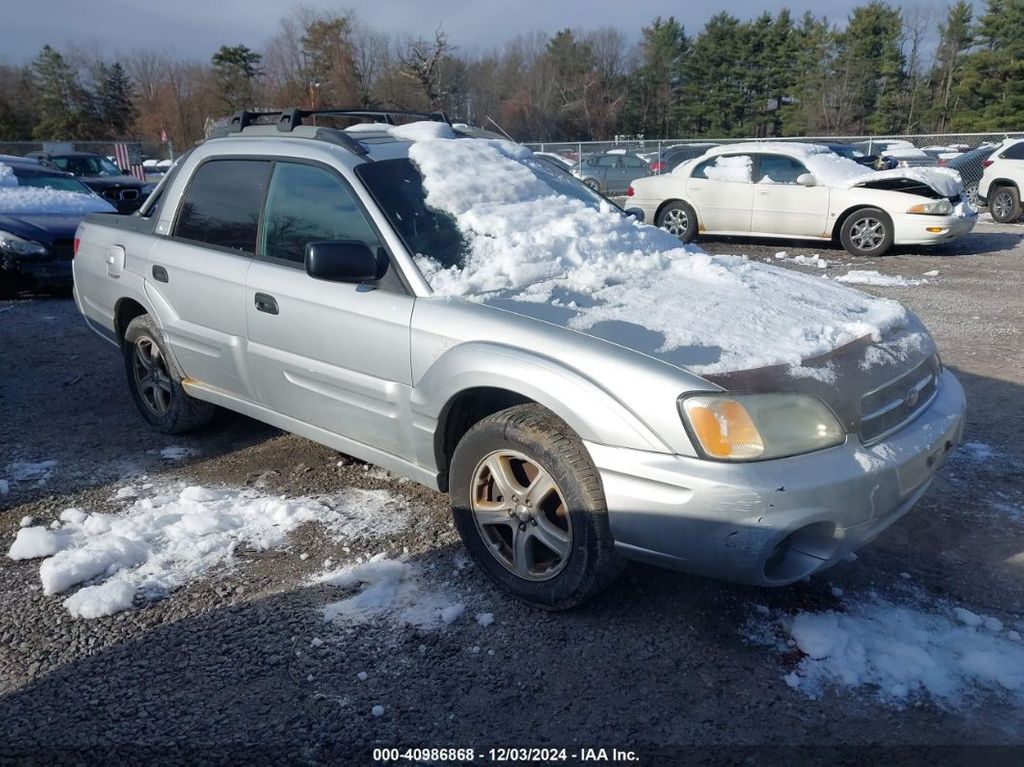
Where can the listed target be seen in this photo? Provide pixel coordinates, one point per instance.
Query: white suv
(1002, 181)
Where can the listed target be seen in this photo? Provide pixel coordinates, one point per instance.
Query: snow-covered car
(1002, 181)
(805, 191)
(40, 209)
(900, 151)
(586, 388)
(557, 160)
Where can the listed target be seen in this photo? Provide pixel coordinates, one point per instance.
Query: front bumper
(27, 274)
(916, 229)
(774, 522)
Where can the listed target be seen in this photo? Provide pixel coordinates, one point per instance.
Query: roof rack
(289, 119)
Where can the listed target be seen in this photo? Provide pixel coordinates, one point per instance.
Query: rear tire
(155, 381)
(529, 505)
(867, 232)
(679, 218)
(593, 183)
(1004, 204)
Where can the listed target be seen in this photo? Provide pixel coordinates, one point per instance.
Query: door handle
(160, 274)
(265, 303)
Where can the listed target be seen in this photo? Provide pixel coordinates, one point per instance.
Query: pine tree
(65, 108)
(990, 95)
(113, 99)
(955, 38)
(657, 79)
(237, 69)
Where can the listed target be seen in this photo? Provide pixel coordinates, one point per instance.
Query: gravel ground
(239, 665)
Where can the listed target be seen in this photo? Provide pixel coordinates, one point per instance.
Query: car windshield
(40, 178)
(86, 165)
(397, 187)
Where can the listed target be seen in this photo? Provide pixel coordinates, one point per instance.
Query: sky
(197, 28)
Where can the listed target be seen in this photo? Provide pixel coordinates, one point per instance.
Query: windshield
(86, 165)
(42, 179)
(397, 187)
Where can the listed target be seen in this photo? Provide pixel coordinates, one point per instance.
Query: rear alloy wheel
(529, 505)
(680, 219)
(971, 193)
(867, 232)
(155, 381)
(1004, 204)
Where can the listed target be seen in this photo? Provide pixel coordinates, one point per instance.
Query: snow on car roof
(30, 199)
(529, 243)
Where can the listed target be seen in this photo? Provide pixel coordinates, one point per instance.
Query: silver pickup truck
(310, 277)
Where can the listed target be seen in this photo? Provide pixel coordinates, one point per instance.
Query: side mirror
(806, 179)
(342, 261)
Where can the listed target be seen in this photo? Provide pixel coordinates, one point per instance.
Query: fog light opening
(801, 552)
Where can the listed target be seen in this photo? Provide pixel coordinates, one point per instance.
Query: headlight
(756, 427)
(937, 208)
(12, 243)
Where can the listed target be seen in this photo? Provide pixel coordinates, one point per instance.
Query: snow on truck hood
(556, 258)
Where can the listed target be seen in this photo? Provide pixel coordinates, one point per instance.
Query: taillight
(74, 251)
(629, 192)
(942, 161)
(986, 163)
(655, 167)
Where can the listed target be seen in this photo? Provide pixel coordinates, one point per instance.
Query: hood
(41, 227)
(945, 182)
(108, 182)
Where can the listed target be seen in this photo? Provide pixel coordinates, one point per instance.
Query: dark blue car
(40, 209)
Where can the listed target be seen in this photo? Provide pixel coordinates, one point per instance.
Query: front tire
(679, 218)
(867, 232)
(529, 505)
(1004, 204)
(155, 381)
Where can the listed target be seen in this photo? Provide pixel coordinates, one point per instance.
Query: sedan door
(331, 354)
(784, 207)
(195, 278)
(722, 193)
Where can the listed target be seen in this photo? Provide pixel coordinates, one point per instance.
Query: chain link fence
(963, 152)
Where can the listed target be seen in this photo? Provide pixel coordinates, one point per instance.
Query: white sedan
(807, 192)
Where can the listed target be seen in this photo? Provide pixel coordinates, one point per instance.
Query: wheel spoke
(491, 516)
(522, 553)
(551, 535)
(505, 483)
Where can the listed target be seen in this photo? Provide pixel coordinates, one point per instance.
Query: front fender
(589, 409)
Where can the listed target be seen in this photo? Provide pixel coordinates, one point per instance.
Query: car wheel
(529, 505)
(680, 219)
(593, 184)
(971, 193)
(867, 232)
(1004, 204)
(155, 381)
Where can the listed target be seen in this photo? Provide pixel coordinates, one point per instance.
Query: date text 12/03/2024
(500, 755)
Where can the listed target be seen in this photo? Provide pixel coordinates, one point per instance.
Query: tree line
(880, 71)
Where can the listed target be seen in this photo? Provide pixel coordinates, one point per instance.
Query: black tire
(532, 431)
(593, 183)
(679, 218)
(867, 225)
(182, 413)
(1004, 204)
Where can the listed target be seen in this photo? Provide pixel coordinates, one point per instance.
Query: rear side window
(778, 169)
(309, 204)
(1014, 152)
(222, 204)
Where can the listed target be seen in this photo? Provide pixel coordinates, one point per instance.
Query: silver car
(278, 271)
(611, 173)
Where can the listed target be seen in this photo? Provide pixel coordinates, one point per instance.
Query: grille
(129, 194)
(892, 405)
(120, 194)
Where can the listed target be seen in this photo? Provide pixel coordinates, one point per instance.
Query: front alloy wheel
(521, 515)
(151, 376)
(867, 232)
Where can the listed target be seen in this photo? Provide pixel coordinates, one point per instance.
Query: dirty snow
(392, 589)
(874, 277)
(899, 652)
(176, 452)
(801, 260)
(39, 472)
(167, 536)
(531, 244)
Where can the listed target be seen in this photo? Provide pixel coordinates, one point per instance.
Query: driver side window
(310, 204)
(778, 169)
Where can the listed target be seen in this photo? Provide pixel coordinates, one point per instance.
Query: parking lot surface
(237, 655)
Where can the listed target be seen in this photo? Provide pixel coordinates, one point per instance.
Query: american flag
(129, 159)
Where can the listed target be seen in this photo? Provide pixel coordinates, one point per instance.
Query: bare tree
(421, 62)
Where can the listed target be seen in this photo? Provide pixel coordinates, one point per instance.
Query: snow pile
(874, 277)
(391, 588)
(175, 534)
(801, 260)
(899, 651)
(7, 177)
(422, 130)
(730, 169)
(38, 472)
(529, 243)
